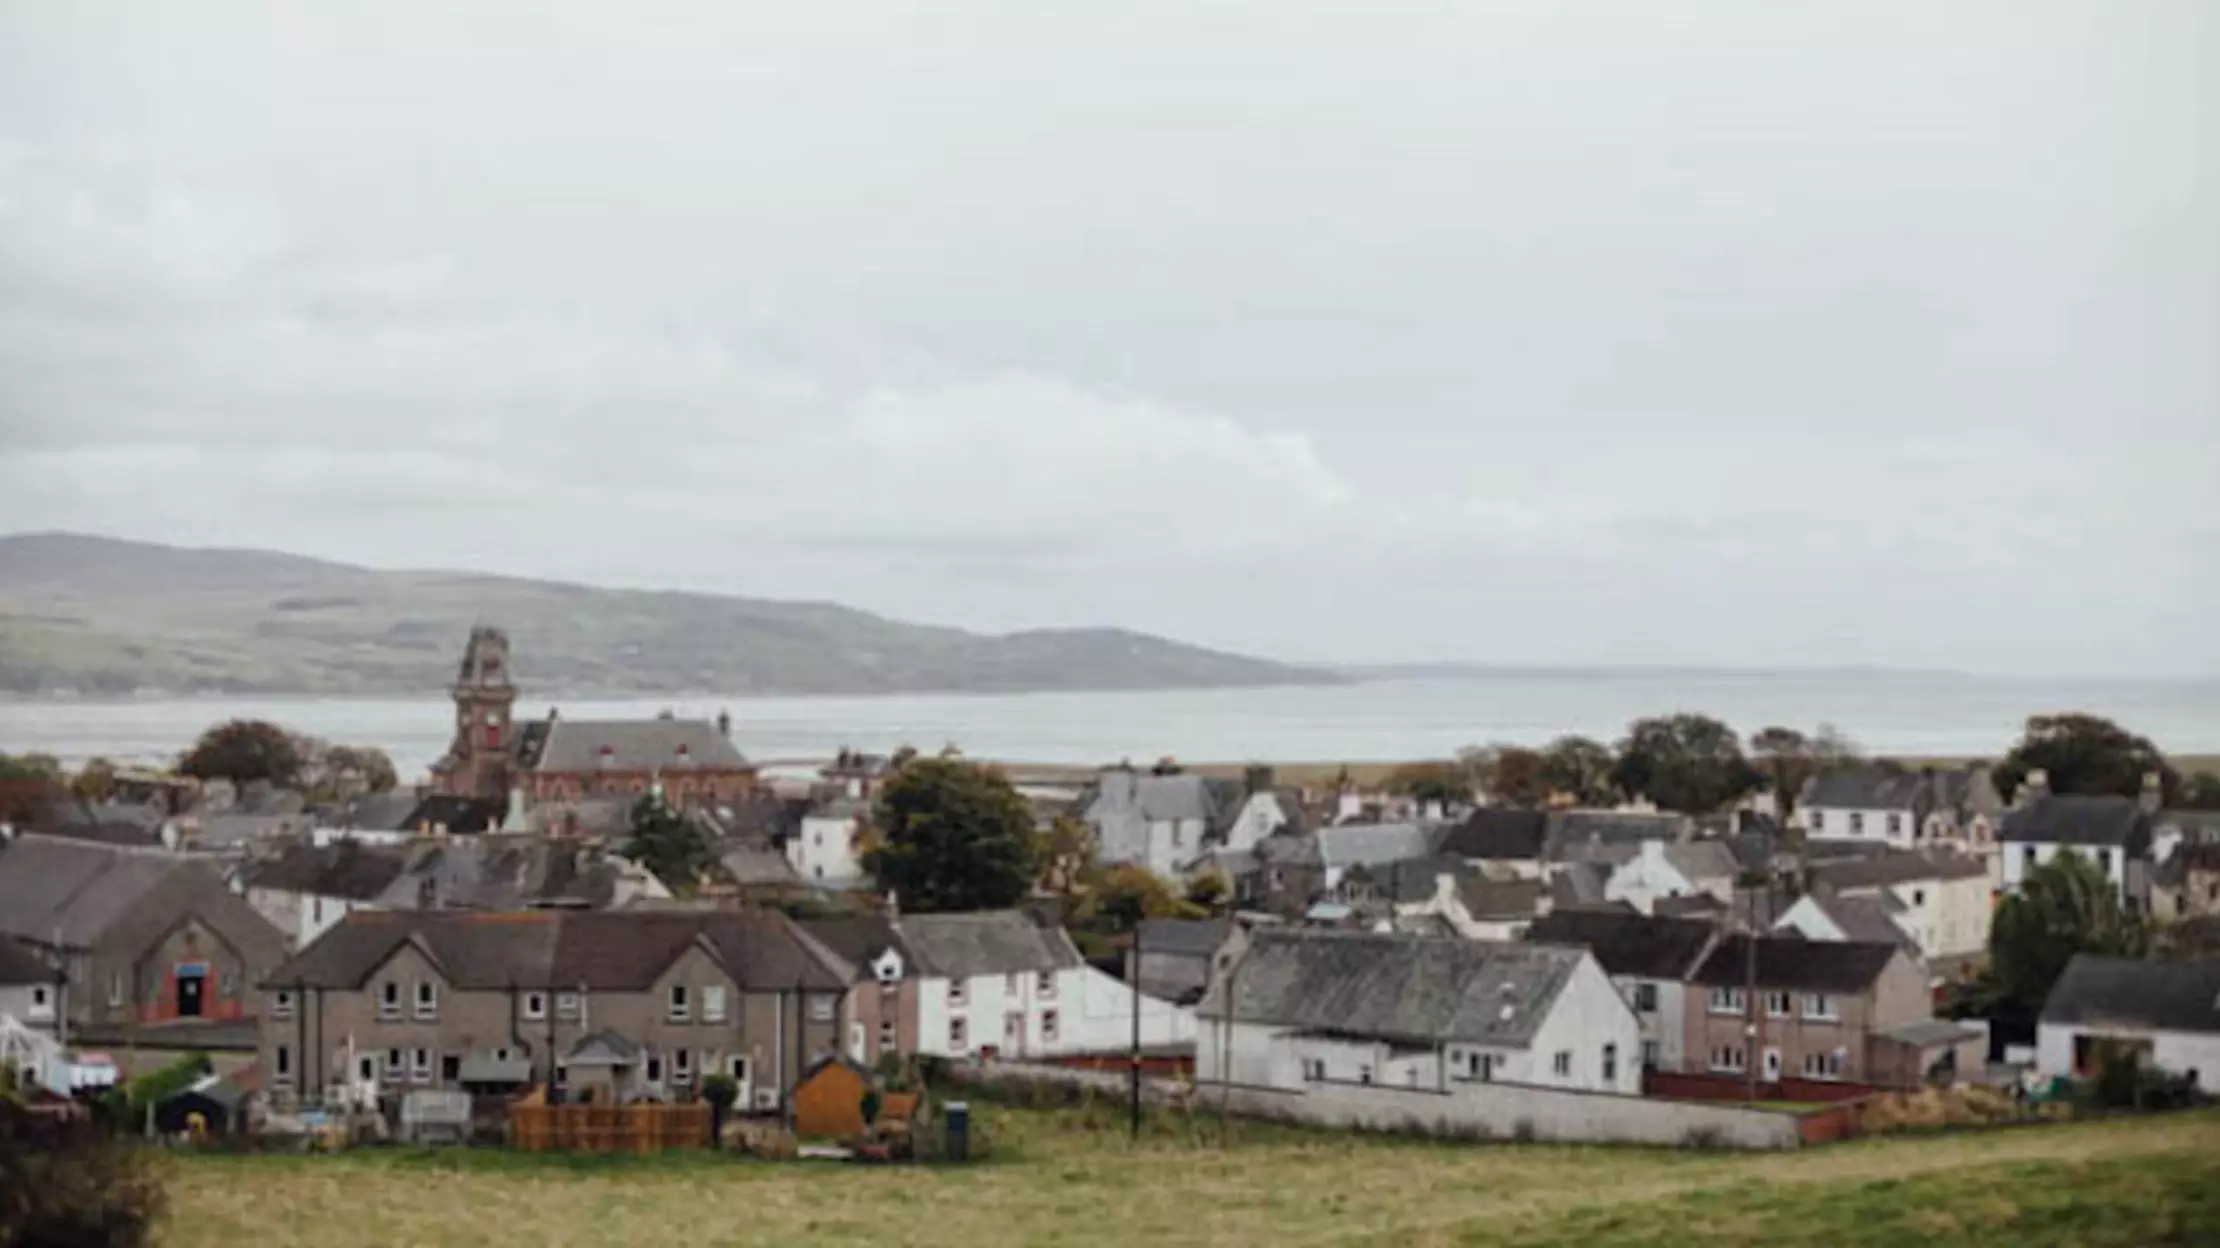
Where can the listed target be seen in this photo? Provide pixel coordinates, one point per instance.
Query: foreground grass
(1064, 1178)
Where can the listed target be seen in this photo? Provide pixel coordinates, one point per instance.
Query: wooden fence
(643, 1128)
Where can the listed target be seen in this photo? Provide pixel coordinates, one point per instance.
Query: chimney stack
(2034, 788)
(2154, 793)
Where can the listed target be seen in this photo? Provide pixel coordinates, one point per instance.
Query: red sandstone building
(556, 759)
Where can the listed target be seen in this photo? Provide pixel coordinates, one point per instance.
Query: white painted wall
(1847, 824)
(322, 837)
(2177, 1051)
(825, 848)
(1807, 918)
(1260, 817)
(302, 916)
(1642, 879)
(1589, 1014)
(2017, 856)
(1093, 1013)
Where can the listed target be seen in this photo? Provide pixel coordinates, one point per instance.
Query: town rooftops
(2080, 819)
(1370, 844)
(1865, 918)
(18, 965)
(992, 942)
(1185, 938)
(1415, 989)
(665, 745)
(2162, 996)
(344, 869)
(1842, 966)
(1625, 943)
(1164, 798)
(857, 939)
(67, 892)
(1863, 787)
(1878, 870)
(1496, 835)
(599, 950)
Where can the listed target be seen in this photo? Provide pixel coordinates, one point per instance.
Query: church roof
(666, 745)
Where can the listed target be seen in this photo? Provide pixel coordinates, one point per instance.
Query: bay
(1884, 712)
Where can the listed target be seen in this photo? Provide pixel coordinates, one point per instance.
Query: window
(568, 1005)
(955, 992)
(713, 1003)
(654, 1069)
(115, 989)
(1482, 1066)
(1645, 998)
(535, 1005)
(450, 1067)
(281, 1003)
(1822, 1065)
(1817, 820)
(1048, 1026)
(1044, 984)
(42, 1001)
(679, 1011)
(1779, 1004)
(1727, 1057)
(283, 1064)
(737, 1067)
(1314, 1070)
(1919, 896)
(888, 1040)
(957, 1039)
(1364, 1074)
(821, 1009)
(389, 1000)
(1563, 1063)
(427, 1000)
(1649, 1054)
(2027, 858)
(394, 1064)
(1726, 1001)
(2104, 861)
(1896, 824)
(1857, 822)
(1819, 1005)
(420, 1065)
(682, 1066)
(1013, 983)
(1610, 1063)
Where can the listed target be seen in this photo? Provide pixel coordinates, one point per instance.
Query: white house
(1302, 1007)
(1939, 899)
(1478, 908)
(825, 848)
(1651, 960)
(308, 889)
(2167, 1012)
(2112, 832)
(1661, 869)
(1892, 805)
(28, 991)
(1159, 821)
(999, 981)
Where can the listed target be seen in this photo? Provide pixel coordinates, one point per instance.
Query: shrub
(1704, 1139)
(67, 1182)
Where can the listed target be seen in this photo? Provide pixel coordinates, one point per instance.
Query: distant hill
(99, 615)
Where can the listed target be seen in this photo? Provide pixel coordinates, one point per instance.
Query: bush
(67, 1183)
(1704, 1139)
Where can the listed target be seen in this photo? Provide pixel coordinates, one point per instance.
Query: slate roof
(1413, 989)
(460, 815)
(1484, 898)
(1791, 962)
(1405, 879)
(1162, 799)
(2162, 996)
(1371, 844)
(1865, 918)
(669, 745)
(1877, 870)
(2080, 819)
(1570, 829)
(1578, 884)
(757, 866)
(1701, 860)
(381, 812)
(1187, 938)
(856, 940)
(19, 965)
(72, 891)
(990, 942)
(1863, 787)
(345, 869)
(1626, 943)
(601, 950)
(1496, 835)
(762, 815)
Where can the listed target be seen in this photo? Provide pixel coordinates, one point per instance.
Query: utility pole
(1133, 986)
(1750, 1034)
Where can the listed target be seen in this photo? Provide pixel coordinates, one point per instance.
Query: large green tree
(1689, 763)
(1446, 783)
(1580, 768)
(2064, 907)
(1511, 775)
(244, 751)
(953, 836)
(667, 843)
(2085, 754)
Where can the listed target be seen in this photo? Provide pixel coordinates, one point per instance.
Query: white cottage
(1302, 1007)
(2166, 1012)
(2111, 831)
(999, 982)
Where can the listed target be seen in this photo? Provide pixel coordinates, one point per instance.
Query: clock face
(492, 718)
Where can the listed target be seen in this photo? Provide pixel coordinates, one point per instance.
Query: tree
(1208, 891)
(244, 751)
(1443, 783)
(1787, 760)
(957, 837)
(671, 846)
(1067, 856)
(1579, 768)
(2064, 907)
(2200, 792)
(1512, 775)
(2085, 754)
(1689, 763)
(30, 767)
(1130, 893)
(340, 772)
(95, 781)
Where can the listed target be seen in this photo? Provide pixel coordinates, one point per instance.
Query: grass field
(1060, 1177)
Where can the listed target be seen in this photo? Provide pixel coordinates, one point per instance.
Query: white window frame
(1561, 1064)
(1645, 997)
(956, 993)
(682, 1066)
(1820, 1007)
(396, 1065)
(1728, 1001)
(1729, 1057)
(281, 1066)
(821, 1008)
(713, 1003)
(42, 1002)
(281, 1003)
(959, 1035)
(422, 1062)
(389, 1001)
(1044, 984)
(535, 1006)
(1048, 1027)
(1314, 1070)
(1611, 1063)
(1779, 1004)
(427, 1000)
(678, 1004)
(890, 1036)
(1857, 823)
(570, 1006)
(115, 989)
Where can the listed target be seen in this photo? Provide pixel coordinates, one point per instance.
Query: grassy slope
(1072, 1178)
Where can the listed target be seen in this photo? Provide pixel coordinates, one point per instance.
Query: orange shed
(829, 1099)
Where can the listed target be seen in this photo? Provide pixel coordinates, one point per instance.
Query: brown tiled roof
(600, 950)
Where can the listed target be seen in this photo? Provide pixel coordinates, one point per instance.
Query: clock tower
(478, 763)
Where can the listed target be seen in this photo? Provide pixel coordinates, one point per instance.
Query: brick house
(1849, 1010)
(142, 936)
(619, 1005)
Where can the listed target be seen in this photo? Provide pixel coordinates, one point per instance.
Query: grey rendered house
(615, 1005)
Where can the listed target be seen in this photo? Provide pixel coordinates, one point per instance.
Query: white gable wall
(1587, 1015)
(2177, 1051)
(1260, 817)
(2019, 856)
(1092, 1013)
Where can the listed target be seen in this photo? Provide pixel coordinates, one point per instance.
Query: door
(859, 1039)
(1013, 1034)
(190, 992)
(1772, 1065)
(738, 1069)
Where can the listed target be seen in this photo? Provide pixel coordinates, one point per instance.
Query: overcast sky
(1560, 332)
